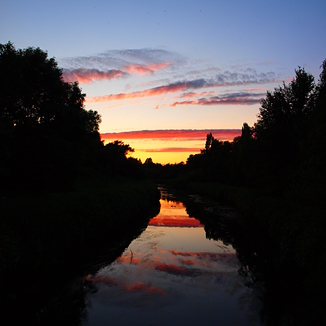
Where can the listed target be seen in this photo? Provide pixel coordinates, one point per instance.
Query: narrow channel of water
(172, 275)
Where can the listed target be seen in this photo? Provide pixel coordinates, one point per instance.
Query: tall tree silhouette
(282, 121)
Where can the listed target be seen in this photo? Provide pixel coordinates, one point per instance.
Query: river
(173, 274)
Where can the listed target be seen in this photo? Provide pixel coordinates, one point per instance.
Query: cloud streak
(90, 75)
(220, 80)
(229, 99)
(117, 59)
(155, 91)
(174, 134)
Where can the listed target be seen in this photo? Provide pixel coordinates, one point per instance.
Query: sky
(163, 74)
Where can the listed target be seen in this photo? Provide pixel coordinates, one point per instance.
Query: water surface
(173, 275)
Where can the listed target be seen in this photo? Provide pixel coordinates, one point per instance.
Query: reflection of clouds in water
(169, 271)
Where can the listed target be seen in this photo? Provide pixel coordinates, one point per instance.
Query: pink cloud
(156, 91)
(145, 69)
(90, 75)
(219, 101)
(194, 94)
(257, 89)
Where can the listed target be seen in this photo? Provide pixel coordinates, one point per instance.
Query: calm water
(173, 275)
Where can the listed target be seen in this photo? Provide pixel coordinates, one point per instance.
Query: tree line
(283, 152)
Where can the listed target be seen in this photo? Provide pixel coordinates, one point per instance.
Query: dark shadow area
(54, 293)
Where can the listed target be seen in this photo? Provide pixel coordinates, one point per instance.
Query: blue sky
(177, 65)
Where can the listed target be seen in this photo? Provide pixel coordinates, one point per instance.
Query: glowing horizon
(168, 146)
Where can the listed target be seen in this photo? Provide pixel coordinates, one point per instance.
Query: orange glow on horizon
(168, 146)
(184, 134)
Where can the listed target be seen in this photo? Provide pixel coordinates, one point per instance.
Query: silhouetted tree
(115, 157)
(47, 136)
(282, 121)
(244, 148)
(148, 161)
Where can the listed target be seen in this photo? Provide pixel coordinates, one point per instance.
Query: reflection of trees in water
(254, 249)
(225, 224)
(52, 298)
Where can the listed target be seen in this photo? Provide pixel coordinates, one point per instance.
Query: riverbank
(49, 237)
(292, 233)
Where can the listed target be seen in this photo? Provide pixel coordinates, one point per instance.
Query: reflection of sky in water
(172, 275)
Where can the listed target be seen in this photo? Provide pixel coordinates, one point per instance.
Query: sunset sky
(162, 74)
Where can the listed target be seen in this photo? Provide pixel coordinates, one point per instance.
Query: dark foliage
(47, 137)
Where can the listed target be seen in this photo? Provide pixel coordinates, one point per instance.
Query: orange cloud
(145, 69)
(90, 75)
(174, 134)
(143, 287)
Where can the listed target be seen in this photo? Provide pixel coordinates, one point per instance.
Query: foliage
(47, 136)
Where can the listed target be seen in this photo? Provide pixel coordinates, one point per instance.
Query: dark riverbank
(46, 240)
(286, 249)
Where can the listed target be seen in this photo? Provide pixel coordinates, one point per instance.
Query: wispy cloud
(156, 91)
(145, 69)
(117, 59)
(231, 99)
(194, 94)
(89, 75)
(220, 80)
